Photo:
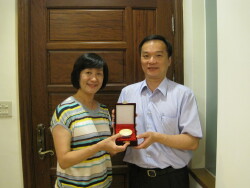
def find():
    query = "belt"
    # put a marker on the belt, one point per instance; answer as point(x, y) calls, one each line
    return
point(153, 172)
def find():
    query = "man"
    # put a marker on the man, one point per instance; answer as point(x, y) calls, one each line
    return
point(167, 122)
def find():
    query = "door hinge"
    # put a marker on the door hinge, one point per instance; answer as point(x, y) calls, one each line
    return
point(173, 25)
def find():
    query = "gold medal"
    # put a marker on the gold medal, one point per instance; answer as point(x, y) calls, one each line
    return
point(126, 132)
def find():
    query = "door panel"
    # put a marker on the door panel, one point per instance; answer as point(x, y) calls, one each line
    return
point(61, 30)
point(147, 24)
point(86, 24)
point(62, 62)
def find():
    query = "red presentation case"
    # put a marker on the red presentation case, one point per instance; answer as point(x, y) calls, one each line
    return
point(125, 114)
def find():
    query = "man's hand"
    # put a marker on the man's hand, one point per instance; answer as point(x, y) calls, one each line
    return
point(149, 138)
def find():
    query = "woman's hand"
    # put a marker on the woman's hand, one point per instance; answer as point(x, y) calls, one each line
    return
point(110, 146)
point(113, 121)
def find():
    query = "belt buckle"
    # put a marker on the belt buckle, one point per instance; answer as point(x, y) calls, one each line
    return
point(151, 173)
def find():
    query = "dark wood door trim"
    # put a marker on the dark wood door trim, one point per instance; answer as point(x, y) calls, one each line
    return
point(178, 41)
point(24, 70)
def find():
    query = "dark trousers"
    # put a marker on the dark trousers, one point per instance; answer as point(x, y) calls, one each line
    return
point(158, 178)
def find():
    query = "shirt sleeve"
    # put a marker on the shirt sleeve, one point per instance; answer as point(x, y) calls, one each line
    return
point(60, 117)
point(189, 121)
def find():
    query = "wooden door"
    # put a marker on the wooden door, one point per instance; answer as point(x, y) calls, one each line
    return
point(52, 34)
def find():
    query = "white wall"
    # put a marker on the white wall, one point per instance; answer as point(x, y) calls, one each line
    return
point(195, 65)
point(10, 144)
point(233, 143)
point(195, 68)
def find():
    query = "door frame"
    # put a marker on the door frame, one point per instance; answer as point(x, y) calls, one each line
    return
point(24, 71)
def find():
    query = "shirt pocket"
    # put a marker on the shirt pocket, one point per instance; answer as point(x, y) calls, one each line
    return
point(169, 124)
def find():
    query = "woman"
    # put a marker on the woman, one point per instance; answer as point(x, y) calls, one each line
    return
point(81, 129)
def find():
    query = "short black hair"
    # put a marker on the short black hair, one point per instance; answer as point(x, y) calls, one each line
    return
point(88, 60)
point(157, 37)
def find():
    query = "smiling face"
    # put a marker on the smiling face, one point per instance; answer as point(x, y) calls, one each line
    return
point(155, 60)
point(91, 80)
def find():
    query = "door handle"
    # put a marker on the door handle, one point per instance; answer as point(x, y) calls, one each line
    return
point(41, 142)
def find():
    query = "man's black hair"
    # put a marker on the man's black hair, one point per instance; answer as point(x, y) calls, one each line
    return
point(157, 37)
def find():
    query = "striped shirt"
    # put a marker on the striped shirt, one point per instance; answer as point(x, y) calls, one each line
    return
point(87, 127)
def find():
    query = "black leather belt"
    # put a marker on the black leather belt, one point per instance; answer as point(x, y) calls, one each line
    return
point(154, 171)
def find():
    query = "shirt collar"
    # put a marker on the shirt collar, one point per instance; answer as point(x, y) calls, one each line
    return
point(163, 87)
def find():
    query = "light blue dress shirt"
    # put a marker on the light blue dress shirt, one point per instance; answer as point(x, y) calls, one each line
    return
point(170, 109)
